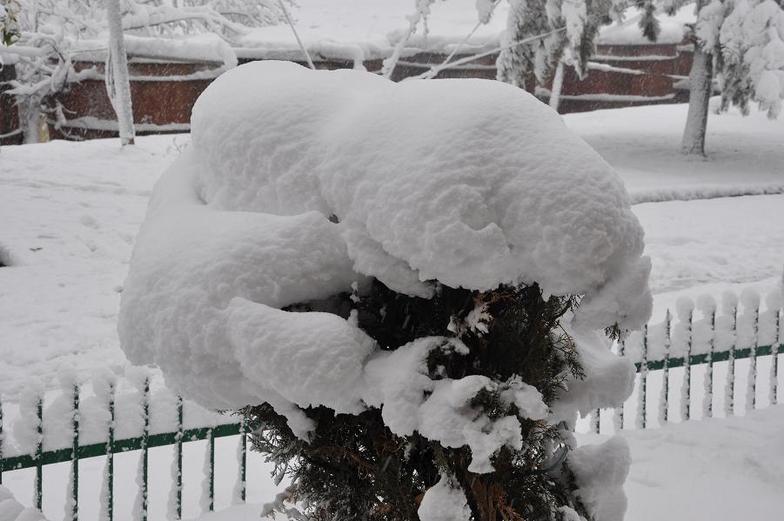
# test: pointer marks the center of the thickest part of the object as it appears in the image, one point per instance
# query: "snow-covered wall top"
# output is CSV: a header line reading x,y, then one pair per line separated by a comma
x,y
192,48
368,29
299,185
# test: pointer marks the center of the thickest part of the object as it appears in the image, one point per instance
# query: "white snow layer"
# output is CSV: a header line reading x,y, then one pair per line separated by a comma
x,y
600,471
471,183
444,502
12,510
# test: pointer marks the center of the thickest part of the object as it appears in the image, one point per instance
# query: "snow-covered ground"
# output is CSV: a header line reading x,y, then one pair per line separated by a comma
x,y
70,211
727,469
745,154
69,215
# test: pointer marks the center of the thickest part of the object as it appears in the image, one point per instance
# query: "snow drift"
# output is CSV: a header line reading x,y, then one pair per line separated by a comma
x,y
302,184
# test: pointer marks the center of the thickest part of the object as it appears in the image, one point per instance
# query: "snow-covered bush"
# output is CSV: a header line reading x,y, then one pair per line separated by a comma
x,y
405,284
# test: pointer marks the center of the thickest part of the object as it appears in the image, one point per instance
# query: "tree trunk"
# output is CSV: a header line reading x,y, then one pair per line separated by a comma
x,y
555,90
117,80
700,87
31,119
9,112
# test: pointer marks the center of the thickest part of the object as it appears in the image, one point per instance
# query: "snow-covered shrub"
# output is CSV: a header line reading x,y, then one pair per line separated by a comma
x,y
404,284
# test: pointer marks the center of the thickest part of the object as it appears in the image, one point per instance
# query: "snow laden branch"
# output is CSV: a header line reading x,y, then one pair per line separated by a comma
x,y
43,37
571,26
314,260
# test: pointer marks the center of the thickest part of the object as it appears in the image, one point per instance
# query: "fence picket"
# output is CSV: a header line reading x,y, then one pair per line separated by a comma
x,y
664,404
751,389
74,501
176,495
107,487
686,386
729,388
243,459
618,413
2,459
707,404
39,454
643,390
144,481
211,442
773,383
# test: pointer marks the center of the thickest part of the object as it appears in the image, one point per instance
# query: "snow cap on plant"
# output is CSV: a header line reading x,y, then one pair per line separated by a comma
x,y
406,276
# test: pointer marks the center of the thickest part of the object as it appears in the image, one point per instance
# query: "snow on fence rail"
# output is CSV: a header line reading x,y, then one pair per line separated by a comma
x,y
111,421
696,341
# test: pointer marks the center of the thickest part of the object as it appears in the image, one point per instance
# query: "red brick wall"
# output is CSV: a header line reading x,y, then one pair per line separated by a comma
x,y
170,101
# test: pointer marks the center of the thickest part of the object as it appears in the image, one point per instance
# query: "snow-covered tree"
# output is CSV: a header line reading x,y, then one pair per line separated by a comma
x,y
568,30
409,308
9,27
118,84
740,43
45,33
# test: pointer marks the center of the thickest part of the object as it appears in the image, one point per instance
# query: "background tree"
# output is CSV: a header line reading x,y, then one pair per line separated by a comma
x,y
740,45
46,32
9,27
570,28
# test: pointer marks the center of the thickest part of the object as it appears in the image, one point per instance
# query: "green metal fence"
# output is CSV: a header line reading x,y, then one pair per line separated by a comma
x,y
40,458
76,452
707,359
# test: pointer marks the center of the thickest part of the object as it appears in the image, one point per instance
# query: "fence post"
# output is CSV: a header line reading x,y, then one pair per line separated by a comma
x,y
39,454
211,449
686,386
751,389
2,461
595,421
641,412
707,404
618,414
177,463
773,391
145,443
142,474
243,457
665,392
108,483
729,396
74,504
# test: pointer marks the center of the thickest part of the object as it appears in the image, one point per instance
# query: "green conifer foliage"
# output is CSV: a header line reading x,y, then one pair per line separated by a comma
x,y
354,468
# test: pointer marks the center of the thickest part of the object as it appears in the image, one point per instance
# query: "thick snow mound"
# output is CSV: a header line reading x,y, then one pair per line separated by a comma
x,y
473,183
12,510
302,184
600,471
